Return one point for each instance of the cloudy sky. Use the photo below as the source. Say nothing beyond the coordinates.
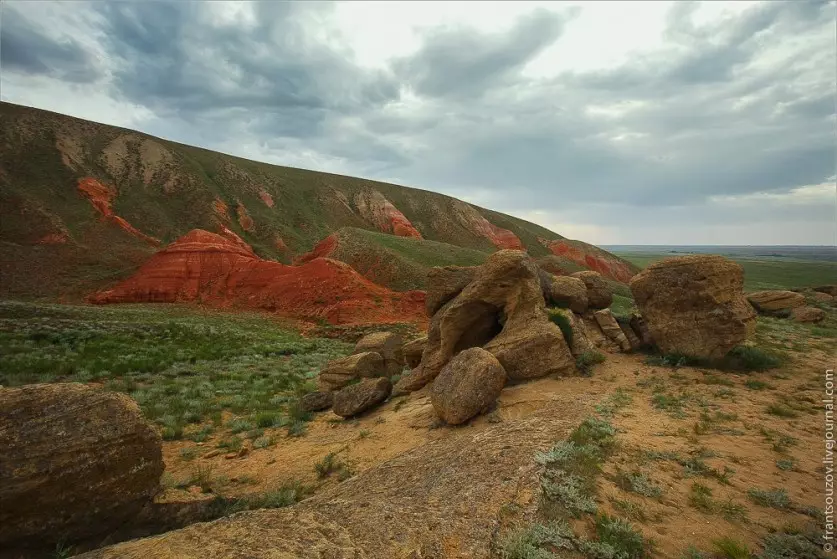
(614, 123)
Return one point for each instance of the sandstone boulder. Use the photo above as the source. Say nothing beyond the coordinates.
(388, 345)
(823, 297)
(807, 314)
(828, 289)
(776, 300)
(694, 305)
(611, 329)
(569, 292)
(444, 283)
(467, 386)
(357, 398)
(503, 311)
(580, 341)
(630, 335)
(597, 338)
(316, 401)
(340, 372)
(412, 351)
(76, 462)
(640, 328)
(599, 295)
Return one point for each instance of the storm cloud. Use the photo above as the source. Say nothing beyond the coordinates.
(725, 120)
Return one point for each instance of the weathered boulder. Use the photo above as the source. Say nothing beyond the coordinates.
(357, 398)
(580, 341)
(340, 372)
(444, 283)
(595, 335)
(822, 297)
(467, 386)
(388, 345)
(694, 305)
(316, 401)
(807, 314)
(640, 328)
(502, 310)
(568, 292)
(828, 289)
(76, 462)
(775, 300)
(412, 351)
(599, 295)
(611, 329)
(630, 335)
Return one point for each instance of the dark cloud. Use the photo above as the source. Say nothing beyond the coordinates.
(27, 49)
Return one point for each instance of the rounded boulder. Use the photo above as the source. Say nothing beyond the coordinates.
(599, 295)
(77, 462)
(467, 386)
(358, 398)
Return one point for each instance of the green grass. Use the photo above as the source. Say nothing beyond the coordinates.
(587, 360)
(559, 319)
(333, 464)
(730, 548)
(182, 366)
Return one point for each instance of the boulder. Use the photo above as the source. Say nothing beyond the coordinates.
(467, 386)
(640, 328)
(357, 398)
(502, 310)
(827, 289)
(340, 372)
(630, 335)
(597, 338)
(599, 295)
(694, 305)
(316, 401)
(611, 329)
(822, 297)
(568, 292)
(776, 300)
(412, 351)
(580, 339)
(807, 314)
(388, 345)
(77, 462)
(444, 283)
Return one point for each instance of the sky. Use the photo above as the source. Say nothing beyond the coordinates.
(610, 122)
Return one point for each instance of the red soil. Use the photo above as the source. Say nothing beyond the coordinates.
(218, 270)
(266, 198)
(501, 238)
(374, 207)
(399, 223)
(608, 267)
(101, 197)
(244, 218)
(323, 249)
(221, 209)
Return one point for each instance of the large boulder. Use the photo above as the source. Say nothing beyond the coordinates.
(694, 305)
(388, 345)
(340, 372)
(467, 386)
(599, 295)
(77, 462)
(580, 339)
(828, 289)
(502, 310)
(357, 398)
(444, 283)
(569, 293)
(412, 351)
(611, 329)
(316, 401)
(807, 314)
(822, 297)
(776, 300)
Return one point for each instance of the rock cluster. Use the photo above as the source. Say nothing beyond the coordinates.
(773, 301)
(77, 462)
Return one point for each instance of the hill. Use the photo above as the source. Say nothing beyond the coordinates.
(83, 205)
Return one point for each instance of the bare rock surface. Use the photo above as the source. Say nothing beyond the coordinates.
(316, 401)
(776, 300)
(807, 314)
(467, 386)
(611, 329)
(599, 295)
(388, 345)
(357, 398)
(568, 292)
(444, 283)
(340, 372)
(413, 350)
(442, 499)
(694, 305)
(76, 462)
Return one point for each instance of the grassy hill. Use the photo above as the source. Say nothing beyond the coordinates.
(58, 242)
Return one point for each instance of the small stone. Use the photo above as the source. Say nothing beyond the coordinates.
(212, 453)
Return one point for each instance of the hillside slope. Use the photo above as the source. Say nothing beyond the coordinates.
(83, 205)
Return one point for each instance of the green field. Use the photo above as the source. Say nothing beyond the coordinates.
(188, 369)
(761, 272)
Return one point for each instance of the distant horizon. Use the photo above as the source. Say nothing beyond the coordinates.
(726, 246)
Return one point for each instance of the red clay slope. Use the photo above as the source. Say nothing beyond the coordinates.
(608, 267)
(203, 266)
(101, 197)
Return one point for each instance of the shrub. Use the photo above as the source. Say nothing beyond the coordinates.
(730, 548)
(330, 464)
(239, 425)
(753, 384)
(265, 419)
(781, 410)
(626, 541)
(782, 545)
(529, 542)
(773, 498)
(749, 358)
(559, 319)
(637, 482)
(587, 360)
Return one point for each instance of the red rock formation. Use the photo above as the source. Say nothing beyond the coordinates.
(244, 218)
(217, 270)
(608, 267)
(266, 198)
(321, 250)
(101, 197)
(221, 209)
(473, 220)
(374, 207)
(279, 243)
